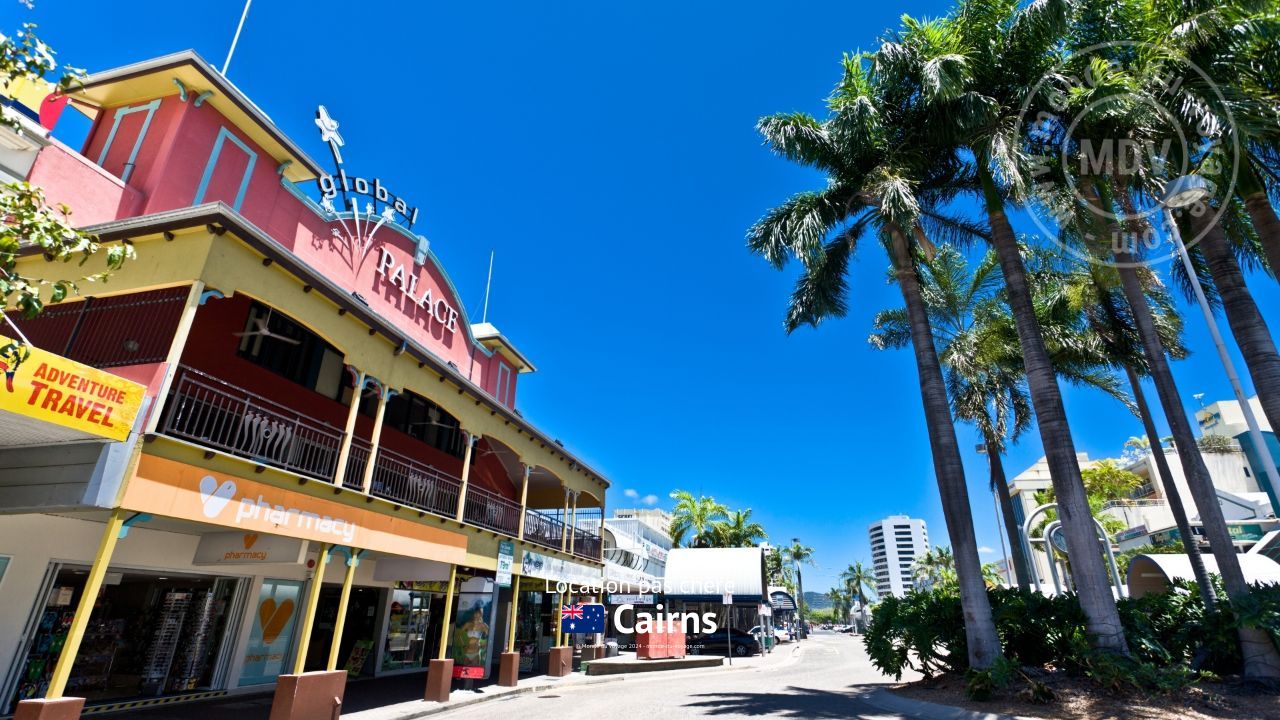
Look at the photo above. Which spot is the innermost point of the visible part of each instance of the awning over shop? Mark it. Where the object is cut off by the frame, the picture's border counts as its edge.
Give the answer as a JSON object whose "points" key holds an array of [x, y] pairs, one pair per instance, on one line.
{"points": [[1155, 573], [780, 599], [706, 574]]}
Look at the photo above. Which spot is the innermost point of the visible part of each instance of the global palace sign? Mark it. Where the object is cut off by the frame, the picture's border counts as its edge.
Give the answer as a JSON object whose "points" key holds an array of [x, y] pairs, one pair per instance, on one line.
{"points": [[360, 224]]}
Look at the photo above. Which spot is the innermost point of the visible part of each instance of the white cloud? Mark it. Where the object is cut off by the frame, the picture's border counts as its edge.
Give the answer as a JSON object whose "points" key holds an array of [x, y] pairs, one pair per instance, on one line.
{"points": [[984, 550], [631, 493], [649, 499]]}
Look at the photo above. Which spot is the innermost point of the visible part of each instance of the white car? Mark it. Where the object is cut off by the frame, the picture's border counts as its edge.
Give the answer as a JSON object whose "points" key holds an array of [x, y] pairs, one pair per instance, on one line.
{"points": [[779, 635]]}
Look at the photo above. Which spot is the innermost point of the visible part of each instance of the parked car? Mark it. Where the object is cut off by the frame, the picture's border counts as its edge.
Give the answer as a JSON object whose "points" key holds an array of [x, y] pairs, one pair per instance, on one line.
{"points": [[740, 642], [779, 635]]}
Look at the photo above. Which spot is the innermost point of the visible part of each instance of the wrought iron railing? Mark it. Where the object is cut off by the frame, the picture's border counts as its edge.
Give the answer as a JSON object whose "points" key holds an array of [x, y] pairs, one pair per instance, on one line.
{"points": [[586, 544], [211, 412], [542, 529], [491, 511], [402, 479]]}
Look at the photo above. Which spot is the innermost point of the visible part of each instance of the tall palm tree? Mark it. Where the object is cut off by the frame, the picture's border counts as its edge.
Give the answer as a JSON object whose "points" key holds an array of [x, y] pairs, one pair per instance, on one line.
{"points": [[840, 602], [973, 72], [881, 176], [798, 554], [1118, 105], [936, 569], [858, 581], [978, 347], [693, 519], [737, 530]]}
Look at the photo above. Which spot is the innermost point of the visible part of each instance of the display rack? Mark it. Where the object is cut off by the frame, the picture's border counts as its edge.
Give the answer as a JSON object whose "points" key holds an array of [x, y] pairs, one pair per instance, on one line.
{"points": [[164, 643], [196, 641]]}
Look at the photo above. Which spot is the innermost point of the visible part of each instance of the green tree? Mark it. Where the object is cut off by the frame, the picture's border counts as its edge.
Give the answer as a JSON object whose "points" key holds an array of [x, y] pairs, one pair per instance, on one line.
{"points": [[978, 346], [881, 176], [858, 581], [27, 223], [693, 519], [972, 73], [798, 554], [737, 530]]}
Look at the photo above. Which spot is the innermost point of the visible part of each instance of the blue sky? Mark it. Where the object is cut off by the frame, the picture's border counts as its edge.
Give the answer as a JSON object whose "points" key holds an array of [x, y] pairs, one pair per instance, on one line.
{"points": [[608, 155]]}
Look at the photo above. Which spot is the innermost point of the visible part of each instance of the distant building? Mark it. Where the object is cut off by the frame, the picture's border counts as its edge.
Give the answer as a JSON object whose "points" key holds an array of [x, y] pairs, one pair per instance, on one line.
{"points": [[656, 518], [896, 542], [1225, 418]]}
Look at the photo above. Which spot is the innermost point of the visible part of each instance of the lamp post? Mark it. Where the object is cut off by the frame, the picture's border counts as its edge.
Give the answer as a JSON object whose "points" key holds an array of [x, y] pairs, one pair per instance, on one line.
{"points": [[1185, 192]]}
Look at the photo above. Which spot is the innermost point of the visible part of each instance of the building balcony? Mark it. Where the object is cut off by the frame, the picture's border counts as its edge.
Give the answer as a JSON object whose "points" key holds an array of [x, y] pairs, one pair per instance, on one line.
{"points": [[211, 412]]}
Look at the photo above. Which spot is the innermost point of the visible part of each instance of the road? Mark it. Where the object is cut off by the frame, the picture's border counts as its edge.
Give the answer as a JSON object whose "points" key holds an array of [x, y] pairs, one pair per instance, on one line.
{"points": [[822, 677]]}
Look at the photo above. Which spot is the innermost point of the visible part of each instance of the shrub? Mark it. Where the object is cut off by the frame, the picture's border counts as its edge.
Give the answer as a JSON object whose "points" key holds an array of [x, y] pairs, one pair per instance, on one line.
{"points": [[1170, 637]]}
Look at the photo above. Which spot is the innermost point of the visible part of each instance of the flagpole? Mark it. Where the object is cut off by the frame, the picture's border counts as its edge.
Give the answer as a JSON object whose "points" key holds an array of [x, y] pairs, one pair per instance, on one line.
{"points": [[236, 38]]}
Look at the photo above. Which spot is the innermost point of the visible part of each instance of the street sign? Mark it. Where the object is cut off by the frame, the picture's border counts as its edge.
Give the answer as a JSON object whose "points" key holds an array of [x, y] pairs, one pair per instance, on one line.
{"points": [[727, 599]]}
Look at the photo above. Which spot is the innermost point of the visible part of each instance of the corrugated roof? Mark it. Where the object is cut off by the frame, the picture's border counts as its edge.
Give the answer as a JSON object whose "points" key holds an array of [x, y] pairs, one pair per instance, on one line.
{"points": [[705, 574]]}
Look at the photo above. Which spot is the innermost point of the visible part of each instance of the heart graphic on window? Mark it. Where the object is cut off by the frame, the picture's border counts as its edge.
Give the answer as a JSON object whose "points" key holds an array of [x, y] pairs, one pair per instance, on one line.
{"points": [[273, 617], [250, 539]]}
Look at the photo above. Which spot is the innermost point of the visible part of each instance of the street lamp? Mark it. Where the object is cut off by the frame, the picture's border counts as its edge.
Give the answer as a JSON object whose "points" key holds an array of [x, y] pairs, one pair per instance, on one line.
{"points": [[1185, 192]]}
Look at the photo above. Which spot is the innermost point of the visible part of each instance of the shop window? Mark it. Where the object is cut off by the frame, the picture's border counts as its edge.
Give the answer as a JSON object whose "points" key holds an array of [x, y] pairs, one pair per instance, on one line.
{"points": [[279, 344]]}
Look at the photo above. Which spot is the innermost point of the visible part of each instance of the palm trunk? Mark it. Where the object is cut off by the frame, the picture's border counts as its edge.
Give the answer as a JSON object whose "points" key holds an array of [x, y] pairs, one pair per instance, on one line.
{"points": [[1263, 216], [980, 628], [1171, 494], [1261, 659], [1247, 324], [1102, 620], [1017, 551]]}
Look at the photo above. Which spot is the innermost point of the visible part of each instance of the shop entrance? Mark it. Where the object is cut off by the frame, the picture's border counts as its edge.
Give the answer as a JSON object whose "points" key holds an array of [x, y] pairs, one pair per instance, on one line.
{"points": [[413, 629], [356, 652], [150, 635]]}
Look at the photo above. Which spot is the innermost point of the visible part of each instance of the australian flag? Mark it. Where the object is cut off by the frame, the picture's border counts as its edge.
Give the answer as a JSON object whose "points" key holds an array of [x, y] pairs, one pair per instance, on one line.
{"points": [[582, 618]]}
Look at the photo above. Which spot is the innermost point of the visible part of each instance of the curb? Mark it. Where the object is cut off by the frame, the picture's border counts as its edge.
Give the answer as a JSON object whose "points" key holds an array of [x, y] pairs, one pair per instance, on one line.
{"points": [[440, 708], [888, 701]]}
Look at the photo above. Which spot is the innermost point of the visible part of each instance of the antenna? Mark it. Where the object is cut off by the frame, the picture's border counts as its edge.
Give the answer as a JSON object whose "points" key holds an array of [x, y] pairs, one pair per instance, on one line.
{"points": [[484, 316], [236, 38]]}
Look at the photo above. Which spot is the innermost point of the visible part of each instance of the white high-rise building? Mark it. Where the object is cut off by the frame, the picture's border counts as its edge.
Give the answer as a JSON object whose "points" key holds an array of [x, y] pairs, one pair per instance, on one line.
{"points": [[896, 542]]}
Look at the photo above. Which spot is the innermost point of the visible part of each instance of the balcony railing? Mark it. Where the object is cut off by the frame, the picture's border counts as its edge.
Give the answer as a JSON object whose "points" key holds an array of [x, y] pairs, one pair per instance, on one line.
{"points": [[403, 480], [491, 511], [211, 412], [586, 544], [217, 414], [542, 529]]}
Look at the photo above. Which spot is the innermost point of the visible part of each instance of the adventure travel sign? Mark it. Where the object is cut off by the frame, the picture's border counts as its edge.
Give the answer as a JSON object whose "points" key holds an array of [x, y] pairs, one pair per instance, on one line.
{"points": [[44, 386]]}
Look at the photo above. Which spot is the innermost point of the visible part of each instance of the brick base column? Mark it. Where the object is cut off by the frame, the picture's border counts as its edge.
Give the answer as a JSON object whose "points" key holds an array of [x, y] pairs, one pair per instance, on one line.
{"points": [[560, 661], [309, 696], [509, 669], [67, 708], [439, 681]]}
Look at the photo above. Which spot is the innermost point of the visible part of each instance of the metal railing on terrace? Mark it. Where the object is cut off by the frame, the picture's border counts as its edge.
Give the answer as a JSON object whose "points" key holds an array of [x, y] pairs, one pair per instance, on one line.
{"points": [[220, 415], [214, 413], [491, 511]]}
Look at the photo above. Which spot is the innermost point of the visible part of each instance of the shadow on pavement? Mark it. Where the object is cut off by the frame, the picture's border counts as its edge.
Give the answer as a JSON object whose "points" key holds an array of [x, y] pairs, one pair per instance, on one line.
{"points": [[793, 702]]}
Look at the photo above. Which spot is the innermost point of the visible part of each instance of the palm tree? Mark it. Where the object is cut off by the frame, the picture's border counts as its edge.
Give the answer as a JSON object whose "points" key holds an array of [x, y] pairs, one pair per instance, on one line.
{"points": [[737, 531], [880, 176], [978, 346], [1119, 105], [694, 519], [858, 581], [973, 72], [798, 554], [936, 570], [839, 602]]}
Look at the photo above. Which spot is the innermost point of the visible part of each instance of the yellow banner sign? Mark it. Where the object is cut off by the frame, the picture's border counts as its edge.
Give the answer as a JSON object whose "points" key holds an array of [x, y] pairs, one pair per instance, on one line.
{"points": [[48, 387], [173, 489]]}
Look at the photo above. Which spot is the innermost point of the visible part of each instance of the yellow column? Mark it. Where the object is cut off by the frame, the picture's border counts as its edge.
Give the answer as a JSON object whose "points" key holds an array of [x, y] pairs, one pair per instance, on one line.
{"points": [[573, 523], [524, 501], [353, 559], [448, 612], [344, 450], [564, 524], [92, 584], [511, 623], [466, 473], [309, 610], [375, 438], [176, 346]]}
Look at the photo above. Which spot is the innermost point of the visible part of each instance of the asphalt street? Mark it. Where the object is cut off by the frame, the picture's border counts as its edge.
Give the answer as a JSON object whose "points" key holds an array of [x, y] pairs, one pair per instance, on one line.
{"points": [[825, 678]]}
